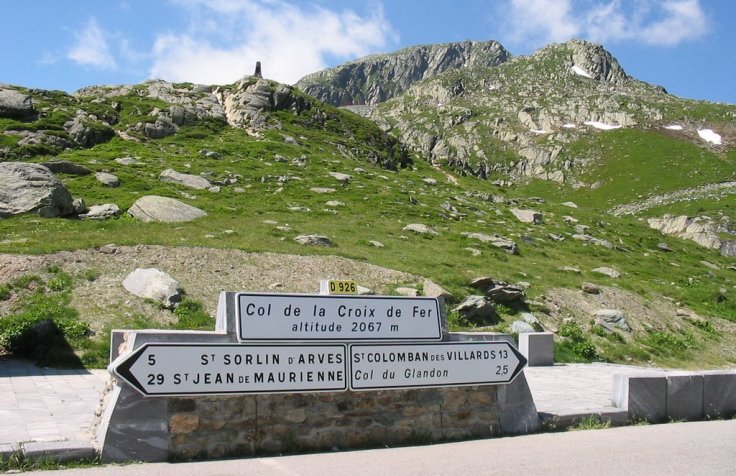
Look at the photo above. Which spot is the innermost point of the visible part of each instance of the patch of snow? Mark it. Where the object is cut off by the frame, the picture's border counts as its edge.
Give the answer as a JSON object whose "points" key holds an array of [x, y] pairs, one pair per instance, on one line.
{"points": [[709, 136], [538, 131], [600, 125], [581, 72], [569, 126], [674, 127]]}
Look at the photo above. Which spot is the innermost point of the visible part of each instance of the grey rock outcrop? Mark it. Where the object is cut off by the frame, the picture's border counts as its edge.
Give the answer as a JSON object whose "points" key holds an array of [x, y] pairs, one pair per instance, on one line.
{"points": [[377, 78], [608, 271], [192, 181], [612, 317], [151, 283], [101, 212], [32, 188], [313, 240], [66, 167], [701, 230], [527, 216], [419, 229], [477, 309], [164, 209], [107, 179], [495, 240], [15, 105], [86, 130]]}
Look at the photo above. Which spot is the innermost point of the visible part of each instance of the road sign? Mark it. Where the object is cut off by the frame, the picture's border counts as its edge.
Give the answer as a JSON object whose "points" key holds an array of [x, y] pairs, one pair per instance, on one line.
{"points": [[441, 364], [305, 317], [338, 286], [165, 369]]}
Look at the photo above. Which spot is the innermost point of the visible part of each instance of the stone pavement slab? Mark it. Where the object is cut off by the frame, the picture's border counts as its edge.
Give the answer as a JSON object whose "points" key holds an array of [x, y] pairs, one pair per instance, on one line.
{"points": [[44, 405]]}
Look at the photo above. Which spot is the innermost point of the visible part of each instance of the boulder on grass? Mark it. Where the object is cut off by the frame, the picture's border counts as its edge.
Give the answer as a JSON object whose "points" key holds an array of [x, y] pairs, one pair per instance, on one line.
{"points": [[32, 188], [151, 283]]}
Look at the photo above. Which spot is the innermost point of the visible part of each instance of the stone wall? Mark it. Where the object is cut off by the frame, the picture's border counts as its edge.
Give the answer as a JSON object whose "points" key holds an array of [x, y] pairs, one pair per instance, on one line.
{"points": [[268, 424]]}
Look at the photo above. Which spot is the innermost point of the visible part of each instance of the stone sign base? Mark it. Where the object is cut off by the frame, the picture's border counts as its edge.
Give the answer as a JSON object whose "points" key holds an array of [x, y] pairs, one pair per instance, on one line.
{"points": [[138, 428]]}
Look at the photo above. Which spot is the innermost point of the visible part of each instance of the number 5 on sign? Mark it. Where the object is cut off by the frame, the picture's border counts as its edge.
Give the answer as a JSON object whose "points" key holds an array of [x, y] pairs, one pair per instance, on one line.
{"points": [[335, 286]]}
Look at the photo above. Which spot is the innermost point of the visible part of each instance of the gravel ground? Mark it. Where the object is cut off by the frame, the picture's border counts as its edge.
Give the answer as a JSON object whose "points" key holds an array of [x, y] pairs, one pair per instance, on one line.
{"points": [[202, 273]]}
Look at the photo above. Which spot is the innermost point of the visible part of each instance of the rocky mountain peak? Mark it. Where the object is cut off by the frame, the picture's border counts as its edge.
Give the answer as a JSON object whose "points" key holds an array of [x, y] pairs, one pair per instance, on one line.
{"points": [[586, 59], [378, 78]]}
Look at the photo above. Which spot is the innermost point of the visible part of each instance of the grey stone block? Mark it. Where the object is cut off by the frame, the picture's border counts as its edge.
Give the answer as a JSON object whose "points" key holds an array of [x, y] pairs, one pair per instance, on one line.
{"points": [[642, 396], [537, 347], [60, 451], [685, 397], [719, 395], [517, 411]]}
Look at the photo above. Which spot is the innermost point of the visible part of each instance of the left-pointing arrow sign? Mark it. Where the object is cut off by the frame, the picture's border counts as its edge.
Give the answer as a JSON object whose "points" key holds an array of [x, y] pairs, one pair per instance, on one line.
{"points": [[165, 369]]}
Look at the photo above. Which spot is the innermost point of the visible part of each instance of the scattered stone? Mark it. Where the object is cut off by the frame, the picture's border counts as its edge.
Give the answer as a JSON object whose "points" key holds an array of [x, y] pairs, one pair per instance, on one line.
{"points": [[79, 206], [429, 181], [495, 240], [590, 288], [582, 229], [477, 308], [610, 272], [32, 188], [473, 251], [521, 327], [570, 220], [531, 319], [16, 105], [152, 283], [377, 244], [290, 140], [334, 203], [527, 216], [483, 283], [210, 154], [323, 190], [300, 161], [127, 161], [108, 180], [701, 230], [409, 292], [433, 289], [556, 237], [503, 292], [664, 247], [279, 158], [569, 269], [163, 209], [192, 181], [710, 265], [363, 291], [66, 167], [570, 204], [109, 249], [613, 317], [313, 240], [101, 212], [340, 177], [420, 229]]}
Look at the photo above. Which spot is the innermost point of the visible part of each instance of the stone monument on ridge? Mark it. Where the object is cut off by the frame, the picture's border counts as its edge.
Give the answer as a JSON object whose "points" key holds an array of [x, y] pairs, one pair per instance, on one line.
{"points": [[301, 372]]}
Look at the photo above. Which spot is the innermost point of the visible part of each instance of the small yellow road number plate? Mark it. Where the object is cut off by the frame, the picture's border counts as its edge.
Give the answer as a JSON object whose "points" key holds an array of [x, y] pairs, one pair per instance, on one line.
{"points": [[335, 286]]}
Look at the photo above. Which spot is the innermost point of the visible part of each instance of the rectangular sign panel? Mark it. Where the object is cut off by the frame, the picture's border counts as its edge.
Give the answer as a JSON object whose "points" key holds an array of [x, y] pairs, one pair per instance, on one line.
{"points": [[304, 317], [394, 366], [205, 369]]}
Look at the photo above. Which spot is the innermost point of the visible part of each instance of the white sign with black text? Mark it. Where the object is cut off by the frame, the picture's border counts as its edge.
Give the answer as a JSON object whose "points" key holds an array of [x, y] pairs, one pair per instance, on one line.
{"points": [[393, 366], [166, 369], [344, 318]]}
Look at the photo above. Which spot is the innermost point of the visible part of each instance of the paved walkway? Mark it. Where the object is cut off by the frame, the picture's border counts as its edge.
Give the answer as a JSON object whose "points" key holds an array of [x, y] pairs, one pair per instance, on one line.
{"points": [[42, 405], [50, 411], [568, 392]]}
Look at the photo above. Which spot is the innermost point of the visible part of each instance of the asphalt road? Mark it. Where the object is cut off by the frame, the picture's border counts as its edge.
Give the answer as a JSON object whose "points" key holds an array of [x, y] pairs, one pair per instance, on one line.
{"points": [[700, 448]]}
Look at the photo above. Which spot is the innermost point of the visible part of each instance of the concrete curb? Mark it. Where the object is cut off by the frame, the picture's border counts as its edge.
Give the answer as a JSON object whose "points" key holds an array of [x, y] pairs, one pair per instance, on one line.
{"points": [[60, 451]]}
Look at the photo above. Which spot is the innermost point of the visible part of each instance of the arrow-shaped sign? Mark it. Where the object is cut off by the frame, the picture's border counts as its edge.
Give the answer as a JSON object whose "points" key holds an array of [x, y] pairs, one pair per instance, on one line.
{"points": [[441, 364], [165, 369]]}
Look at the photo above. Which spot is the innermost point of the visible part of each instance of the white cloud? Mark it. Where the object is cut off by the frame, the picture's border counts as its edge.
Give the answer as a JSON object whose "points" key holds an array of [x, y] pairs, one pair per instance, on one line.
{"points": [[650, 22], [90, 47], [225, 38]]}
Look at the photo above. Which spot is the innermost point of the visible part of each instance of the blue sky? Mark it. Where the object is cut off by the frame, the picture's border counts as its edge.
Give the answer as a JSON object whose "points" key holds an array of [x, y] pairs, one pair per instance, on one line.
{"points": [[687, 46]]}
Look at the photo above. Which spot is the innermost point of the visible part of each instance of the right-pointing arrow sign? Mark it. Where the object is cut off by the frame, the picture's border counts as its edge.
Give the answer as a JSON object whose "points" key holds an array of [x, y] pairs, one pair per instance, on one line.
{"points": [[386, 366]]}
